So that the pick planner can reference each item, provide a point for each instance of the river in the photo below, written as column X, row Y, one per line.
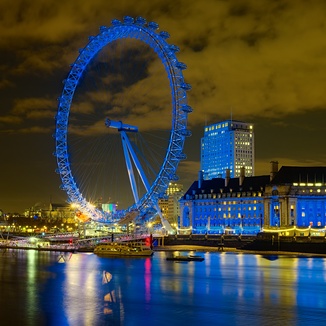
column 227, row 288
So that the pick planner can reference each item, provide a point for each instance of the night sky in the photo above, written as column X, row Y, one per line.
column 261, row 61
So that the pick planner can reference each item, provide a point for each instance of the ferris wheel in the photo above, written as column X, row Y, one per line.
column 86, row 149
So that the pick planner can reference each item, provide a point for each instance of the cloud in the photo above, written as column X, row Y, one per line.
column 34, row 108
column 10, row 119
column 148, row 102
column 246, row 57
column 261, row 60
column 35, row 130
column 5, row 83
column 270, row 72
column 138, row 94
column 257, row 58
column 28, row 112
column 96, row 128
column 47, row 60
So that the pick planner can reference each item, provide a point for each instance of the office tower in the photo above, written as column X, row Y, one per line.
column 227, row 146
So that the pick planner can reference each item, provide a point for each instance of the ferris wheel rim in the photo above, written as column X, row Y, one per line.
column 146, row 32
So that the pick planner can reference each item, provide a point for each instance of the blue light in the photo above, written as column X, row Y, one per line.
column 136, row 29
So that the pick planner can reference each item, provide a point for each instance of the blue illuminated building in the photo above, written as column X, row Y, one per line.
column 230, row 205
column 227, row 146
column 296, row 196
column 291, row 196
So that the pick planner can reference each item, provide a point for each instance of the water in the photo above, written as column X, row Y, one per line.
column 46, row 288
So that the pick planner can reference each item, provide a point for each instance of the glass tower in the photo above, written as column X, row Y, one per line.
column 227, row 145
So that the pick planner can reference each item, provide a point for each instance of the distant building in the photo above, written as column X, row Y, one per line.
column 227, row 146
column 109, row 207
column 169, row 205
column 163, row 203
column 52, row 212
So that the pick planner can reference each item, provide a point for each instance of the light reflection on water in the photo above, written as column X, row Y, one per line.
column 44, row 288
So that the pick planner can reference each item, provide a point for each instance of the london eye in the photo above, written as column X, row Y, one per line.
column 124, row 100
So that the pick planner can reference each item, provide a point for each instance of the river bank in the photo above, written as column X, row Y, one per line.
column 173, row 248
column 198, row 248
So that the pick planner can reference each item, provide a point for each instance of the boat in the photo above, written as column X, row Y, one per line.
column 123, row 249
column 186, row 258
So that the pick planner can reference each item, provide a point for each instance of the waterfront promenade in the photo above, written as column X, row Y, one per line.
column 196, row 248
column 164, row 246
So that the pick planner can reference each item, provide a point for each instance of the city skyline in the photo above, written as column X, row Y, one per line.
column 263, row 63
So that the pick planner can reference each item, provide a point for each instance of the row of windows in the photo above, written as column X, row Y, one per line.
column 222, row 144
column 242, row 149
column 247, row 169
column 313, row 205
column 244, row 126
column 229, row 215
column 303, row 214
column 232, row 224
column 222, row 195
column 228, row 208
column 304, row 191
column 242, row 203
column 231, row 124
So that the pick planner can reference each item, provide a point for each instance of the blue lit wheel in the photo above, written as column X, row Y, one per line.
column 105, row 82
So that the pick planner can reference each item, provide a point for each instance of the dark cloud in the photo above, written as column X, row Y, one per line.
column 197, row 43
column 264, row 61
column 263, row 49
column 4, row 83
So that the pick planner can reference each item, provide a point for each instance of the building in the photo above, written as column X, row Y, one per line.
column 296, row 196
column 227, row 146
column 169, row 205
column 291, row 196
column 224, row 205
column 52, row 213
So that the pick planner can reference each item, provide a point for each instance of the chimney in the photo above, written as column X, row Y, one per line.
column 274, row 169
column 242, row 175
column 200, row 179
column 227, row 177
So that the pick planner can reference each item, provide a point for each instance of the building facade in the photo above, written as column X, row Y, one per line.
column 169, row 205
column 227, row 146
column 296, row 196
column 52, row 212
column 218, row 206
column 292, row 196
